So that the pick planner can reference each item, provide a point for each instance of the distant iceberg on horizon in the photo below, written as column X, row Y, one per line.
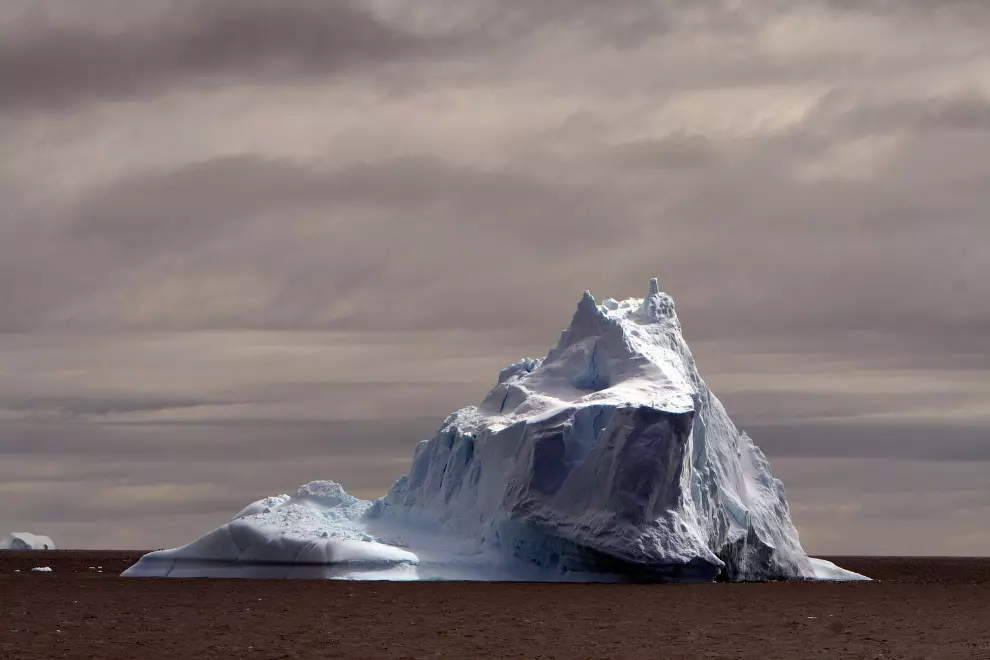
column 607, row 460
column 26, row 541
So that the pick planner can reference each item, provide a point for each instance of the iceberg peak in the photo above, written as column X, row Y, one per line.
column 587, row 302
column 654, row 287
column 657, row 306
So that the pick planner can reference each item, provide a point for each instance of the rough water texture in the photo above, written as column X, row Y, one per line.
column 610, row 459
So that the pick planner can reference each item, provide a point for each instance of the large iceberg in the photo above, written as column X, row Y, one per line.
column 26, row 541
column 608, row 460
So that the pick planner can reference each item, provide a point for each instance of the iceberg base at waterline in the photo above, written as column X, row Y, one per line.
column 303, row 537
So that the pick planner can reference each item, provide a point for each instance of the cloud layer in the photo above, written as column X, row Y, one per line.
column 226, row 211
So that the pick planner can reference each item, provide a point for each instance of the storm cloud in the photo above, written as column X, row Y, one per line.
column 240, row 239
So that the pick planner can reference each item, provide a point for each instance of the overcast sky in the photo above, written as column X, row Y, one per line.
column 248, row 244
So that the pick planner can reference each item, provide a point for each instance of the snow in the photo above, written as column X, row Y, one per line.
column 26, row 541
column 607, row 460
column 41, row 569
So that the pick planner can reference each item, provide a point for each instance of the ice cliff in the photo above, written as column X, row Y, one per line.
column 609, row 459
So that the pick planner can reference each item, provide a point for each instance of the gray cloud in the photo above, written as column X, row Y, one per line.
column 671, row 151
column 461, row 215
column 82, row 405
column 918, row 441
column 241, row 239
column 880, row 506
column 142, row 224
column 155, row 485
column 118, row 50
column 256, row 442
column 49, row 65
column 174, row 210
column 967, row 110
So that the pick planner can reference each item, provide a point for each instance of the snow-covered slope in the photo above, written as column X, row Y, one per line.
column 26, row 541
column 609, row 459
column 315, row 533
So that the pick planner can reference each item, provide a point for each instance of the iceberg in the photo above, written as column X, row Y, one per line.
column 26, row 541
column 607, row 460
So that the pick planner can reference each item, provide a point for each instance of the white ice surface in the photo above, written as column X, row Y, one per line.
column 26, row 541
column 609, row 459
column 826, row 570
column 41, row 569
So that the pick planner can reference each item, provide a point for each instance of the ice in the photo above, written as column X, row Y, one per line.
column 609, row 459
column 41, row 569
column 316, row 532
column 826, row 570
column 26, row 541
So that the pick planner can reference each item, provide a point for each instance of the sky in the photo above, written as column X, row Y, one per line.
column 248, row 244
